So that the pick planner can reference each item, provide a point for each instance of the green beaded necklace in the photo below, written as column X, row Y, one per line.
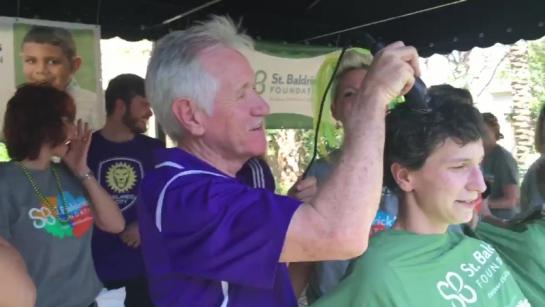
column 44, row 199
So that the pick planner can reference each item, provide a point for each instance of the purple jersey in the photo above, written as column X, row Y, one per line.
column 257, row 173
column 209, row 240
column 119, row 168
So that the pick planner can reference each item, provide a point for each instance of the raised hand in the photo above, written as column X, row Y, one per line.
column 392, row 72
column 78, row 146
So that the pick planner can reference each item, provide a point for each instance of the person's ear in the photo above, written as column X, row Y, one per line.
column 190, row 116
column 402, row 176
column 76, row 64
column 120, row 106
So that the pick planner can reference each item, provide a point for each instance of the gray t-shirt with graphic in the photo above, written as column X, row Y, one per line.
column 54, row 237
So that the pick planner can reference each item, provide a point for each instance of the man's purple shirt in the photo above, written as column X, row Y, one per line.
column 209, row 240
column 256, row 173
column 119, row 168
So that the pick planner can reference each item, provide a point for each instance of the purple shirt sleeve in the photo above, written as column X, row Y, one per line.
column 219, row 229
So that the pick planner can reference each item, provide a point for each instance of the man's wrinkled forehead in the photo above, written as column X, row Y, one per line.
column 226, row 62
column 221, row 56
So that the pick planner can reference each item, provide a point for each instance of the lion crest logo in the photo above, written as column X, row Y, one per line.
column 121, row 177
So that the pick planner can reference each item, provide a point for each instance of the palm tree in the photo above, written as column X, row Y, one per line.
column 522, row 97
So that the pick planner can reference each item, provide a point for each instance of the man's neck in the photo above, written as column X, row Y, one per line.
column 212, row 157
column 490, row 148
column 411, row 218
column 117, row 132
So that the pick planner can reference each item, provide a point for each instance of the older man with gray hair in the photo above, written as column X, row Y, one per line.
column 209, row 240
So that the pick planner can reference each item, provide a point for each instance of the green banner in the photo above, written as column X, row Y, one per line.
column 285, row 77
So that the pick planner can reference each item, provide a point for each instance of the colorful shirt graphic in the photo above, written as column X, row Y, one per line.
column 53, row 237
column 74, row 223
column 383, row 220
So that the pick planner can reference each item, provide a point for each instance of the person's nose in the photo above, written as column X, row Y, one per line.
column 41, row 68
column 261, row 106
column 147, row 107
column 149, row 112
column 476, row 180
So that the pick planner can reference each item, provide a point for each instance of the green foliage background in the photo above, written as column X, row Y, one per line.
column 3, row 153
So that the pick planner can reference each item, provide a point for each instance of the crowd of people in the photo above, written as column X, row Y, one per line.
column 116, row 216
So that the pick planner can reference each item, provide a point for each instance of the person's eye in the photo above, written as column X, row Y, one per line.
column 242, row 94
column 53, row 62
column 459, row 166
column 30, row 61
column 348, row 94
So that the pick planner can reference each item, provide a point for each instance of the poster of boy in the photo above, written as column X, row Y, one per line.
column 65, row 58
column 65, row 55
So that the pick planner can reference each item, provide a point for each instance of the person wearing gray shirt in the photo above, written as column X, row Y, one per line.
column 48, row 210
column 500, row 171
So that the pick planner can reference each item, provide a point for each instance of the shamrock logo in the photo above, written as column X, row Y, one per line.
column 454, row 290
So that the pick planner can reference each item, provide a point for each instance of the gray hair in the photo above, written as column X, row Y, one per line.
column 351, row 60
column 174, row 70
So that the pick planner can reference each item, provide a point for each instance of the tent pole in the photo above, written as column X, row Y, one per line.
column 381, row 21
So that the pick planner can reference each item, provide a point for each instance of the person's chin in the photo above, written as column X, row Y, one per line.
column 139, row 129
column 258, row 150
column 463, row 217
column 57, row 85
column 261, row 145
column 60, row 87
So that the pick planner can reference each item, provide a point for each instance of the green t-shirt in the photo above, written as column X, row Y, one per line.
column 522, row 247
column 406, row 269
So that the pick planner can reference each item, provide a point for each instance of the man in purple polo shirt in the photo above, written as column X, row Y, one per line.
column 209, row 240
